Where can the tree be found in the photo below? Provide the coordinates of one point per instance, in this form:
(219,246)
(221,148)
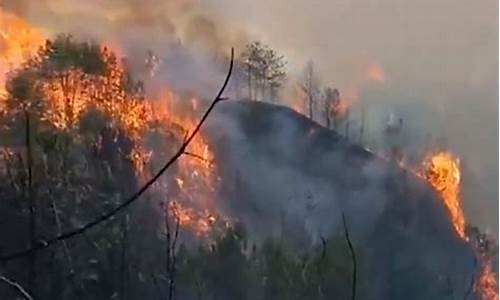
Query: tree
(264,71)
(275,73)
(310,87)
(331,101)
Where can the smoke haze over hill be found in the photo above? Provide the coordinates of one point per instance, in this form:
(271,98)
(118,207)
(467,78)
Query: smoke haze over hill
(433,64)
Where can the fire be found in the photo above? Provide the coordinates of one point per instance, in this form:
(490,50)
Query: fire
(199,222)
(197,179)
(487,283)
(375,73)
(18,41)
(72,93)
(442,170)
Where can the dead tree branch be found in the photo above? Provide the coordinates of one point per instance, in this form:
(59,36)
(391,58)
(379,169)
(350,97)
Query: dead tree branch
(17,286)
(77,285)
(31,201)
(197,156)
(42,244)
(472,281)
(171,242)
(173,260)
(353,257)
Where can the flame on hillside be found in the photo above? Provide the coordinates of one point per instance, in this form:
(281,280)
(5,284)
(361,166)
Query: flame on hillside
(442,171)
(487,282)
(70,95)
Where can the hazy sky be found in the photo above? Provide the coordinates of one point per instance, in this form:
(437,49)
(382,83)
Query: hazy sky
(438,57)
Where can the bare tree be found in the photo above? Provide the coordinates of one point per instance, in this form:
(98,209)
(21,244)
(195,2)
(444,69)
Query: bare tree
(310,87)
(123,263)
(31,200)
(172,236)
(353,258)
(331,105)
(347,122)
(362,125)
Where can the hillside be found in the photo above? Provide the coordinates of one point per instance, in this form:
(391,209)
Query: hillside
(282,171)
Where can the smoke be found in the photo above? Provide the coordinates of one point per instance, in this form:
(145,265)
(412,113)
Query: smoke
(438,60)
(282,173)
(188,44)
(432,64)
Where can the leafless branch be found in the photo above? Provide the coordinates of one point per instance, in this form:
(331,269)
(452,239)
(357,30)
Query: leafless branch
(17,286)
(31,200)
(472,281)
(353,257)
(173,260)
(77,231)
(320,267)
(197,156)
(78,286)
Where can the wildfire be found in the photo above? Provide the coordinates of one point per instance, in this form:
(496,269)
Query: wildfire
(198,222)
(487,283)
(442,171)
(18,41)
(72,93)
(375,72)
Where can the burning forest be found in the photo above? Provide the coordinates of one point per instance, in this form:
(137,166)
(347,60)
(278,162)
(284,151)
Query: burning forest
(162,150)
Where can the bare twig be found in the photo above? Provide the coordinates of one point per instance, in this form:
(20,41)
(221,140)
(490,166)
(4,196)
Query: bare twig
(199,288)
(65,248)
(123,263)
(31,200)
(171,282)
(169,243)
(197,156)
(353,257)
(77,231)
(320,267)
(171,247)
(472,281)
(17,286)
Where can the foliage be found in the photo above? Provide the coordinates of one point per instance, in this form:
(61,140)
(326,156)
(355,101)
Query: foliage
(264,70)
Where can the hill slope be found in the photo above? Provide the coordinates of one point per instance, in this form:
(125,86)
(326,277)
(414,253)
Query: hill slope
(286,176)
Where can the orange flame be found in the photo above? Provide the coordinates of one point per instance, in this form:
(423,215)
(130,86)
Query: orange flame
(66,104)
(18,41)
(487,283)
(442,170)
(375,72)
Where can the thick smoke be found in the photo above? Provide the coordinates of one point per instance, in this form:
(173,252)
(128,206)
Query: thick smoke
(437,73)
(188,46)
(439,61)
(281,172)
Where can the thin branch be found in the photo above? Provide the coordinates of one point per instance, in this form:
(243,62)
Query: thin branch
(353,257)
(78,286)
(171,287)
(472,281)
(320,267)
(166,208)
(77,231)
(197,156)
(31,199)
(17,286)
